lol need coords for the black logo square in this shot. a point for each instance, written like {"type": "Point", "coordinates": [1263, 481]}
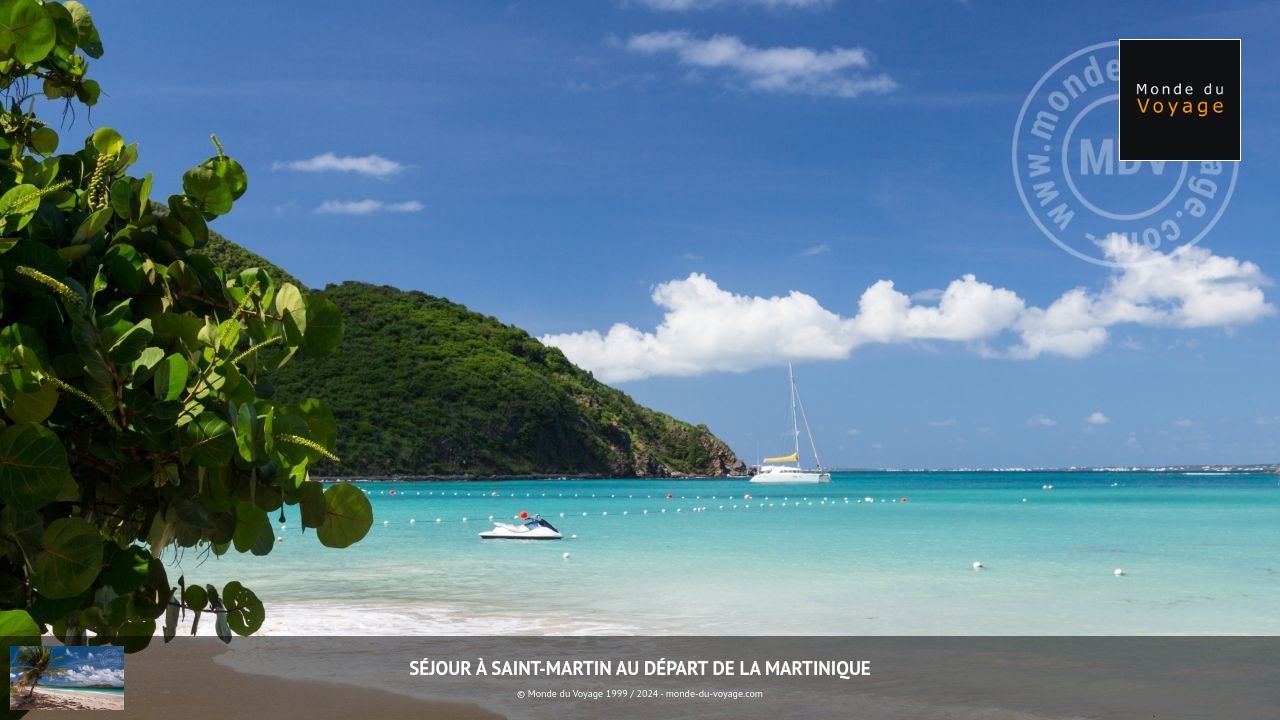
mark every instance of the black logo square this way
{"type": "Point", "coordinates": [1180, 100]}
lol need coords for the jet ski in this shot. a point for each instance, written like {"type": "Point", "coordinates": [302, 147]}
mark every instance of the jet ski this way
{"type": "Point", "coordinates": [535, 528]}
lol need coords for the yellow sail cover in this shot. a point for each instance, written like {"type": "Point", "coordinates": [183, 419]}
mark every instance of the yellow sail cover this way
{"type": "Point", "coordinates": [793, 457]}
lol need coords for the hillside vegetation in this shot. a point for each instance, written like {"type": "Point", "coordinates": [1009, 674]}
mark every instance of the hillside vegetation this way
{"type": "Point", "coordinates": [423, 386]}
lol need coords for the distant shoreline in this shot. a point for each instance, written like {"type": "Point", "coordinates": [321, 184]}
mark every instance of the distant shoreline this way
{"type": "Point", "coordinates": [527, 476]}
{"type": "Point", "coordinates": [1262, 468]}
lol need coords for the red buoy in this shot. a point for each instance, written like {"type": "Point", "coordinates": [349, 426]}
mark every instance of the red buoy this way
{"type": "Point", "coordinates": [904, 499]}
{"type": "Point", "coordinates": [668, 496]}
{"type": "Point", "coordinates": [393, 492]}
{"type": "Point", "coordinates": [524, 515]}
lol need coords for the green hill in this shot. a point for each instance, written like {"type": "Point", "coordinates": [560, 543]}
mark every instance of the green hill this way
{"type": "Point", "coordinates": [424, 386]}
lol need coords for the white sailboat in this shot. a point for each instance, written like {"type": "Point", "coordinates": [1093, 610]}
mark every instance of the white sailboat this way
{"type": "Point", "coordinates": [777, 470]}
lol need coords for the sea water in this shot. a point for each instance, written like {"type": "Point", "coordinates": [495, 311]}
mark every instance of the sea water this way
{"type": "Point", "coordinates": [878, 553]}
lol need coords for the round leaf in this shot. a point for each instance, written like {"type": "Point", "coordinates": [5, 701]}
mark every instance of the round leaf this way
{"type": "Point", "coordinates": [128, 569]}
{"type": "Point", "coordinates": [26, 32]}
{"type": "Point", "coordinates": [17, 628]}
{"type": "Point", "coordinates": [209, 192]}
{"type": "Point", "coordinates": [214, 442]}
{"type": "Point", "coordinates": [244, 610]}
{"type": "Point", "coordinates": [33, 466]}
{"type": "Point", "coordinates": [70, 559]}
{"type": "Point", "coordinates": [171, 377]}
{"type": "Point", "coordinates": [107, 141]}
{"type": "Point", "coordinates": [33, 406]}
{"type": "Point", "coordinates": [347, 516]}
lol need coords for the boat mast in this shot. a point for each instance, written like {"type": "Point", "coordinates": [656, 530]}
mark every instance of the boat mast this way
{"type": "Point", "coordinates": [795, 429]}
{"type": "Point", "coordinates": [805, 416]}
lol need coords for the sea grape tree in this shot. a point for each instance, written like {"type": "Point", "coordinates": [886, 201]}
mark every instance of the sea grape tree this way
{"type": "Point", "coordinates": [135, 376]}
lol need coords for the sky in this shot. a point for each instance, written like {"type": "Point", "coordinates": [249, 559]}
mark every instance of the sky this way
{"type": "Point", "coordinates": [83, 665]}
{"type": "Point", "coordinates": [685, 195]}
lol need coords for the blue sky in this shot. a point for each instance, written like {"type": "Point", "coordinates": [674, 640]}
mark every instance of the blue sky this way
{"type": "Point", "coordinates": [83, 665]}
{"type": "Point", "coordinates": [555, 164]}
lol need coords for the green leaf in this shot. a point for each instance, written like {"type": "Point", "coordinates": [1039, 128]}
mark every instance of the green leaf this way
{"type": "Point", "coordinates": [44, 141]}
{"type": "Point", "coordinates": [209, 192]}
{"type": "Point", "coordinates": [291, 305]}
{"type": "Point", "coordinates": [32, 406]}
{"type": "Point", "coordinates": [250, 520]}
{"type": "Point", "coordinates": [244, 610]}
{"type": "Point", "coordinates": [33, 466]}
{"type": "Point", "coordinates": [129, 346]}
{"type": "Point", "coordinates": [107, 142]}
{"type": "Point", "coordinates": [347, 516]}
{"type": "Point", "coordinates": [128, 570]}
{"type": "Point", "coordinates": [195, 598]}
{"type": "Point", "coordinates": [324, 326]}
{"type": "Point", "coordinates": [26, 32]}
{"type": "Point", "coordinates": [19, 205]}
{"type": "Point", "coordinates": [171, 377]}
{"type": "Point", "coordinates": [88, 40]}
{"type": "Point", "coordinates": [70, 561]}
{"type": "Point", "coordinates": [213, 440]}
{"type": "Point", "coordinates": [17, 628]}
{"type": "Point", "coordinates": [312, 504]}
{"type": "Point", "coordinates": [231, 172]}
{"type": "Point", "coordinates": [246, 419]}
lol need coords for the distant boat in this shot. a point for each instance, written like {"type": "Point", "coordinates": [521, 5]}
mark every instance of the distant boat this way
{"type": "Point", "coordinates": [775, 470]}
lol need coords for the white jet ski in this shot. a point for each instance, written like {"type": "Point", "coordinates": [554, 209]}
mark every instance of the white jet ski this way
{"type": "Point", "coordinates": [535, 528]}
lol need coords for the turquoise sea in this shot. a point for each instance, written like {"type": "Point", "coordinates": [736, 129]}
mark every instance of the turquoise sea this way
{"type": "Point", "coordinates": [1200, 555]}
{"type": "Point", "coordinates": [76, 688]}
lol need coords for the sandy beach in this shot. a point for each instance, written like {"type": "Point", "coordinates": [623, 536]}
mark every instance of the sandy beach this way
{"type": "Point", "coordinates": [184, 675]}
{"type": "Point", "coordinates": [61, 699]}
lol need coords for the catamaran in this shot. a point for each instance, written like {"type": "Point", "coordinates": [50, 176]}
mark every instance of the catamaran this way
{"type": "Point", "coordinates": [774, 469]}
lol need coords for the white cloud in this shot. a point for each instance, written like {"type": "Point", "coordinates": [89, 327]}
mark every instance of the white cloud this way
{"type": "Point", "coordinates": [942, 423]}
{"type": "Point", "coordinates": [367, 207]}
{"type": "Point", "coordinates": [90, 675]}
{"type": "Point", "coordinates": [708, 329]}
{"type": "Point", "coordinates": [370, 165]}
{"type": "Point", "coordinates": [839, 72]}
{"type": "Point", "coordinates": [1041, 421]}
{"type": "Point", "coordinates": [1183, 423]}
{"type": "Point", "coordinates": [854, 431]}
{"type": "Point", "coordinates": [1097, 418]}
{"type": "Point", "coordinates": [815, 250]}
{"type": "Point", "coordinates": [684, 5]}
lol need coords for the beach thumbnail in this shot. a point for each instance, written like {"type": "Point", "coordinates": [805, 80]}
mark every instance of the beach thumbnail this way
{"type": "Point", "coordinates": [44, 677]}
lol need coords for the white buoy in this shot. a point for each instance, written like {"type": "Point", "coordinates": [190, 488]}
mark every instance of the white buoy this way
{"type": "Point", "coordinates": [566, 556]}
{"type": "Point", "coordinates": [437, 519]}
{"type": "Point", "coordinates": [279, 538]}
{"type": "Point", "coordinates": [573, 537]}
{"type": "Point", "coordinates": [977, 565]}
{"type": "Point", "coordinates": [1024, 499]}
{"type": "Point", "coordinates": [464, 519]}
{"type": "Point", "coordinates": [386, 522]}
{"type": "Point", "coordinates": [412, 521]}
{"type": "Point", "coordinates": [1119, 572]}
